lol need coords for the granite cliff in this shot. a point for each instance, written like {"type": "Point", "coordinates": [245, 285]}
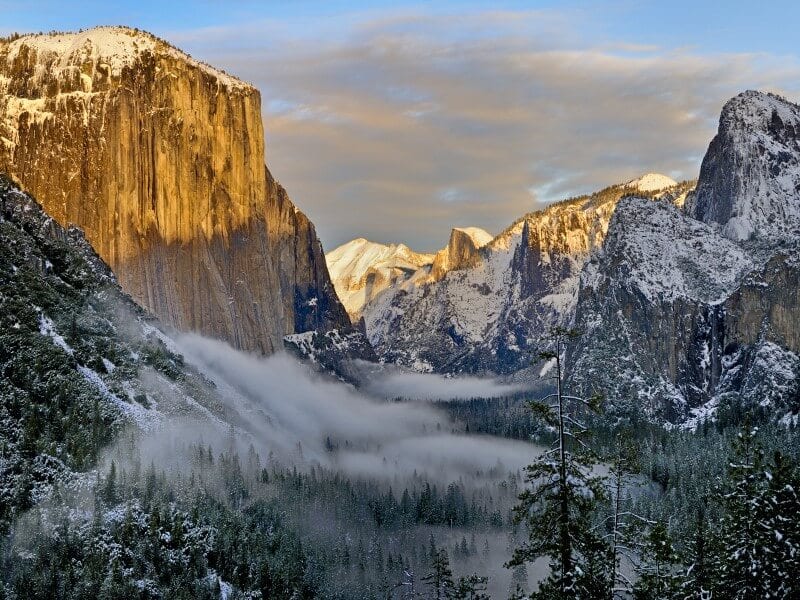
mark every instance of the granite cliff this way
{"type": "Point", "coordinates": [160, 160]}
{"type": "Point", "coordinates": [694, 314]}
{"type": "Point", "coordinates": [483, 304]}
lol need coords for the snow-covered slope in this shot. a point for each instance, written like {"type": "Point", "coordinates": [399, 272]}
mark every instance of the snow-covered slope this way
{"type": "Point", "coordinates": [486, 311]}
{"type": "Point", "coordinates": [693, 315]}
{"type": "Point", "coordinates": [750, 178]}
{"type": "Point", "coordinates": [76, 352]}
{"type": "Point", "coordinates": [651, 182]}
{"type": "Point", "coordinates": [664, 254]}
{"type": "Point", "coordinates": [360, 270]}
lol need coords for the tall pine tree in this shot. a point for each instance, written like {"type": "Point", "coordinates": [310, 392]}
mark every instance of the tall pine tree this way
{"type": "Point", "coordinates": [563, 495]}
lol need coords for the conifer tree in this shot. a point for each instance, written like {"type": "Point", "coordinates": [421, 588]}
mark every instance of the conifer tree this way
{"type": "Point", "coordinates": [697, 578]}
{"type": "Point", "coordinates": [110, 486]}
{"type": "Point", "coordinates": [780, 522]}
{"type": "Point", "coordinates": [623, 465]}
{"type": "Point", "coordinates": [440, 578]}
{"type": "Point", "coordinates": [656, 565]}
{"type": "Point", "coordinates": [742, 572]}
{"type": "Point", "coordinates": [563, 496]}
{"type": "Point", "coordinates": [471, 588]}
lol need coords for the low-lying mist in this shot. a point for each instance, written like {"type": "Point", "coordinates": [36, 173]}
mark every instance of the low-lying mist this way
{"type": "Point", "coordinates": [340, 465]}
{"type": "Point", "coordinates": [300, 418]}
{"type": "Point", "coordinates": [391, 383]}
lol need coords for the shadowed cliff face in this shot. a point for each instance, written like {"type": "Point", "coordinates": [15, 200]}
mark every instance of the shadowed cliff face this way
{"type": "Point", "coordinates": [691, 314]}
{"type": "Point", "coordinates": [160, 160]}
{"type": "Point", "coordinates": [750, 178]}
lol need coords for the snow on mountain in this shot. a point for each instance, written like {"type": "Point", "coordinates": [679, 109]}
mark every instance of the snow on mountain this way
{"type": "Point", "coordinates": [106, 49]}
{"type": "Point", "coordinates": [693, 314]}
{"type": "Point", "coordinates": [483, 308]}
{"type": "Point", "coordinates": [480, 237]}
{"type": "Point", "coordinates": [77, 351]}
{"type": "Point", "coordinates": [651, 182]}
{"type": "Point", "coordinates": [667, 255]}
{"type": "Point", "coordinates": [360, 270]}
{"type": "Point", "coordinates": [749, 182]}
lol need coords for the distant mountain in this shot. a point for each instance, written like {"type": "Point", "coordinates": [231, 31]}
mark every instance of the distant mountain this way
{"type": "Point", "coordinates": [651, 182]}
{"type": "Point", "coordinates": [695, 314]}
{"type": "Point", "coordinates": [483, 304]}
{"type": "Point", "coordinates": [360, 270]}
{"type": "Point", "coordinates": [160, 160]}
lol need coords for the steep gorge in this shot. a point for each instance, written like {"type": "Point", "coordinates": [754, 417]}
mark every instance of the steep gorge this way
{"type": "Point", "coordinates": [160, 160]}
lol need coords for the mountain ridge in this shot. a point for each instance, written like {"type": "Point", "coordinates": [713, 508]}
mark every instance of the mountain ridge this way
{"type": "Point", "coordinates": [483, 316]}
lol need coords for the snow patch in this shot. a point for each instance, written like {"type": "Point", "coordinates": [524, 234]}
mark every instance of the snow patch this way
{"type": "Point", "coordinates": [48, 328]}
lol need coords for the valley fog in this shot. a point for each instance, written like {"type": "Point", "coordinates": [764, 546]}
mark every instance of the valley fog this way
{"type": "Point", "coordinates": [279, 414]}
{"type": "Point", "coordinates": [286, 410]}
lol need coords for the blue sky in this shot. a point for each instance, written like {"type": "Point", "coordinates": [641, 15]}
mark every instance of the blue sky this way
{"type": "Point", "coordinates": [708, 26]}
{"type": "Point", "coordinates": [396, 121]}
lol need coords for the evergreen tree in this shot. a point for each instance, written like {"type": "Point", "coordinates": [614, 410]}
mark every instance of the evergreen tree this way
{"type": "Point", "coordinates": [656, 565]}
{"type": "Point", "coordinates": [697, 579]}
{"type": "Point", "coordinates": [563, 496]}
{"type": "Point", "coordinates": [110, 487]}
{"type": "Point", "coordinates": [623, 466]}
{"type": "Point", "coordinates": [742, 564]}
{"type": "Point", "coordinates": [780, 523]}
{"type": "Point", "coordinates": [440, 578]}
{"type": "Point", "coordinates": [471, 588]}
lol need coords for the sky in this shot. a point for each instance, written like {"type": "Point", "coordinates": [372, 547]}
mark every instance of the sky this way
{"type": "Point", "coordinates": [397, 121]}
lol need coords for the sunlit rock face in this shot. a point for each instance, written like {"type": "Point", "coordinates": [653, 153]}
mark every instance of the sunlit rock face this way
{"type": "Point", "coordinates": [160, 159]}
{"type": "Point", "coordinates": [485, 302]}
{"type": "Point", "coordinates": [461, 251]}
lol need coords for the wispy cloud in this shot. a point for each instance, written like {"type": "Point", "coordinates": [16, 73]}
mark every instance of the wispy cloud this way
{"type": "Point", "coordinates": [371, 121]}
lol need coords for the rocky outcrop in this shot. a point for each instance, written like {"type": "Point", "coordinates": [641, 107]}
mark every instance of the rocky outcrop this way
{"type": "Point", "coordinates": [688, 317]}
{"type": "Point", "coordinates": [749, 181]}
{"type": "Point", "coordinates": [488, 315]}
{"type": "Point", "coordinates": [461, 251]}
{"type": "Point", "coordinates": [160, 160]}
{"type": "Point", "coordinates": [334, 352]}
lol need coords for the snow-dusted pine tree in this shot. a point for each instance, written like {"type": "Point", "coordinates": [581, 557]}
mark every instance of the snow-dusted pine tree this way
{"type": "Point", "coordinates": [564, 491]}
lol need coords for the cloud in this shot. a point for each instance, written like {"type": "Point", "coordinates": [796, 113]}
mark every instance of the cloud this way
{"type": "Point", "coordinates": [433, 387]}
{"type": "Point", "coordinates": [399, 128]}
{"type": "Point", "coordinates": [290, 413]}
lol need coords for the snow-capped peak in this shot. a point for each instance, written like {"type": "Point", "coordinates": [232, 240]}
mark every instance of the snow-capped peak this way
{"type": "Point", "coordinates": [361, 269]}
{"type": "Point", "coordinates": [651, 182]}
{"type": "Point", "coordinates": [108, 48]}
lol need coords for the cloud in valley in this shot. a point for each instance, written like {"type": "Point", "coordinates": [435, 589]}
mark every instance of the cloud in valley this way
{"type": "Point", "coordinates": [430, 386]}
{"type": "Point", "coordinates": [297, 416]}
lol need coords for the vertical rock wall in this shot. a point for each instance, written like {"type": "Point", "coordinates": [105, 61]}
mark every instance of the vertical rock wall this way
{"type": "Point", "coordinates": [160, 159]}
